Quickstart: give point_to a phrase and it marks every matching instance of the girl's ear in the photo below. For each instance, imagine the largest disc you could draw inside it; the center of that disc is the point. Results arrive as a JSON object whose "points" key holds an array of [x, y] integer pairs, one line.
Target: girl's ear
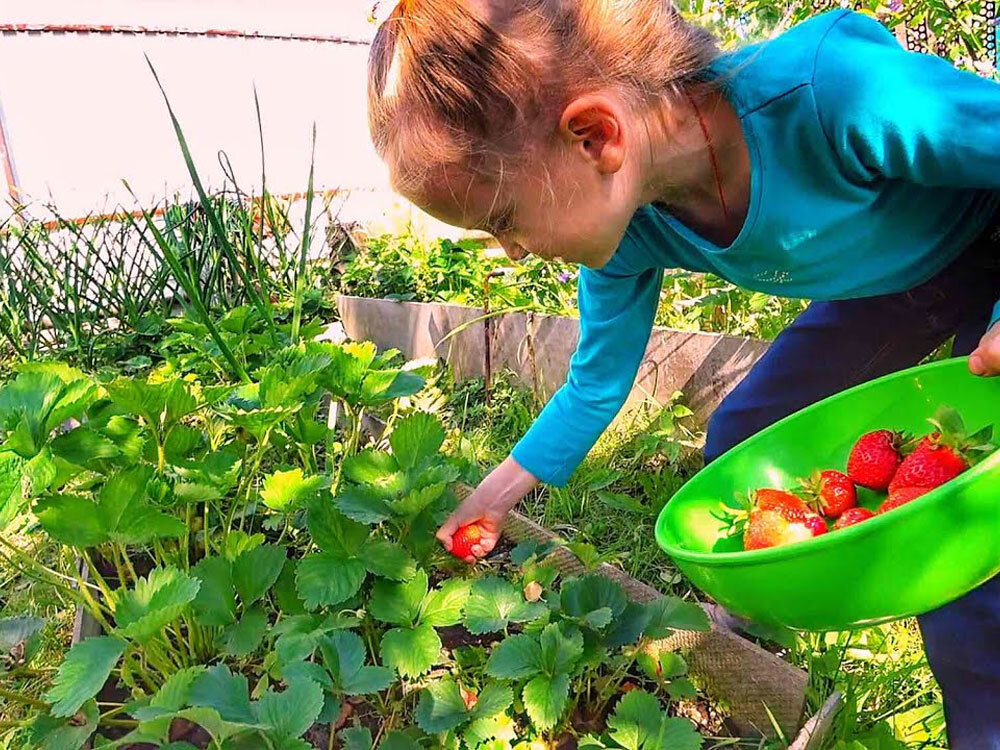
{"points": [[593, 126]]}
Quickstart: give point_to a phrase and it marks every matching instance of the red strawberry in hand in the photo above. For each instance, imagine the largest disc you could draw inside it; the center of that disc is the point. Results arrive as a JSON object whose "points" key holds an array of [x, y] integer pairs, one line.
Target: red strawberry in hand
{"points": [[463, 540], [852, 516], [901, 496], [942, 455], [874, 459], [831, 493]]}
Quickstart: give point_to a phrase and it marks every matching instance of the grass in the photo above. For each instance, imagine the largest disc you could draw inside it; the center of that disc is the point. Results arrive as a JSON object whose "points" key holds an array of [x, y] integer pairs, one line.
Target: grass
{"points": [[24, 596], [612, 501]]}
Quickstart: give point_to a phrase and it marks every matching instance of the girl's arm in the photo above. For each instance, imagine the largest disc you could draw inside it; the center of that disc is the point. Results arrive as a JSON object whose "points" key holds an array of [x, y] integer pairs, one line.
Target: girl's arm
{"points": [[617, 307]]}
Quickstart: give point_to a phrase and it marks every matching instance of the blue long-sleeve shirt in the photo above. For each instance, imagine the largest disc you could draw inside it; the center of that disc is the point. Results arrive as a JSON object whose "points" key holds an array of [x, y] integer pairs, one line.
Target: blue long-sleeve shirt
{"points": [[872, 168]]}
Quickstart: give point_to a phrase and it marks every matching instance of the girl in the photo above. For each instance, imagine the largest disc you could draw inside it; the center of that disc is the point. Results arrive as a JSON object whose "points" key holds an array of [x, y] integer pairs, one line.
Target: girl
{"points": [[827, 163]]}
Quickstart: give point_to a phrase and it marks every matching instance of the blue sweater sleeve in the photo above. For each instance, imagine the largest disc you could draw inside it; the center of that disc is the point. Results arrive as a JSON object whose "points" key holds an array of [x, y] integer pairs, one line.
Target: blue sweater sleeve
{"points": [[893, 114], [617, 307]]}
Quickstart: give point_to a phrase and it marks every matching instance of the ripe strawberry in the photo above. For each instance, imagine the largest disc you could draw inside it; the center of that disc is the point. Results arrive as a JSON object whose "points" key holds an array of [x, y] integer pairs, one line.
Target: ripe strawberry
{"points": [[901, 496], [463, 540], [791, 507], [767, 528], [874, 459], [942, 455], [852, 516], [831, 493]]}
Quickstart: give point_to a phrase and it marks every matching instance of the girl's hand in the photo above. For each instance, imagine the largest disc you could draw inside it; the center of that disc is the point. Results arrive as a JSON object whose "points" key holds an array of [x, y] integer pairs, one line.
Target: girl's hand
{"points": [[985, 360], [488, 506]]}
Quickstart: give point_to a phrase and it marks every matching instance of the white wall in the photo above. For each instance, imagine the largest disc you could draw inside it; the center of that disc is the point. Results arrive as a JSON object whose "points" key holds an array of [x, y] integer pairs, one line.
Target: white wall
{"points": [[83, 111]]}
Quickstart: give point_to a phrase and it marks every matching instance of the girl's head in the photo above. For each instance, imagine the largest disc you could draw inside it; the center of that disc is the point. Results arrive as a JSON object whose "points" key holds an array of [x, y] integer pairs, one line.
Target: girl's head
{"points": [[530, 119]]}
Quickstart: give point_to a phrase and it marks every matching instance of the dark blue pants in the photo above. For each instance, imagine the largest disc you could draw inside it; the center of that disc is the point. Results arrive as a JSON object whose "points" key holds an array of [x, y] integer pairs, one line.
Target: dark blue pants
{"points": [[835, 345]]}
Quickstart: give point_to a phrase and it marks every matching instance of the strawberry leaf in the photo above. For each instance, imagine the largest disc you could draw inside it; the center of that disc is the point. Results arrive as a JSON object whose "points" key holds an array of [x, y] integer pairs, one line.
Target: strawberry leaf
{"points": [[387, 559], [291, 712], [243, 637], [325, 579], [334, 532], [517, 657], [142, 612], [494, 603], [443, 606], [222, 691], [362, 504], [71, 520], [411, 651], [415, 438], [545, 699], [398, 603], [561, 648], [215, 603], [344, 655], [669, 613], [639, 723], [356, 738], [256, 570], [48, 732], [441, 708], [285, 490], [82, 674], [371, 467], [593, 599]]}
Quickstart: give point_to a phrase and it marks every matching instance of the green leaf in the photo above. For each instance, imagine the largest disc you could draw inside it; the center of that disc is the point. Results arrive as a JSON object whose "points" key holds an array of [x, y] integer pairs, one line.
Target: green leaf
{"points": [[415, 438], [639, 723], [256, 570], [238, 542], [411, 651], [362, 504], [669, 613], [387, 559], [83, 673], [82, 446], [441, 708], [284, 490], [142, 612], [682, 689], [243, 637], [291, 712], [672, 665], [215, 603], [398, 741], [443, 606], [325, 579], [517, 657], [493, 603], [370, 467], [285, 592], [143, 524], [333, 531], [493, 699], [398, 603], [344, 655], [629, 626], [121, 491], [71, 520], [221, 690], [618, 501], [356, 738], [416, 501], [51, 733], [11, 497], [173, 696], [545, 699], [16, 630], [561, 648], [582, 597]]}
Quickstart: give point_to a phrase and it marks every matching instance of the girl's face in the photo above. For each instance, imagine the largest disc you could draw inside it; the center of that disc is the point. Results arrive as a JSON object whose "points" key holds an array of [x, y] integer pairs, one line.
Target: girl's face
{"points": [[571, 199]]}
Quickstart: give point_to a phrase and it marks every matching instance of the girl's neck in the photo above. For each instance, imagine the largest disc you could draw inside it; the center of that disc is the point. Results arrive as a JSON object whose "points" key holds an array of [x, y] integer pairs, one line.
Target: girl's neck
{"points": [[703, 183]]}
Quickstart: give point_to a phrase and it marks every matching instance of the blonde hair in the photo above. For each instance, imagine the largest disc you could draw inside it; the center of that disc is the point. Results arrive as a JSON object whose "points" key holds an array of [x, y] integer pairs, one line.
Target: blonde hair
{"points": [[470, 82]]}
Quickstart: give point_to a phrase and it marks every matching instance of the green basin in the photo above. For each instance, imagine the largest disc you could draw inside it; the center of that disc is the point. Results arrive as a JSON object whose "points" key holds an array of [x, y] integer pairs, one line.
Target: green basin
{"points": [[904, 563]]}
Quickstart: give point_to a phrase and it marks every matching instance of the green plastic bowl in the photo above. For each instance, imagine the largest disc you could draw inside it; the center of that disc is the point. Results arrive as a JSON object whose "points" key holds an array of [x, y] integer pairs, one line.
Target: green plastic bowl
{"points": [[904, 563]]}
